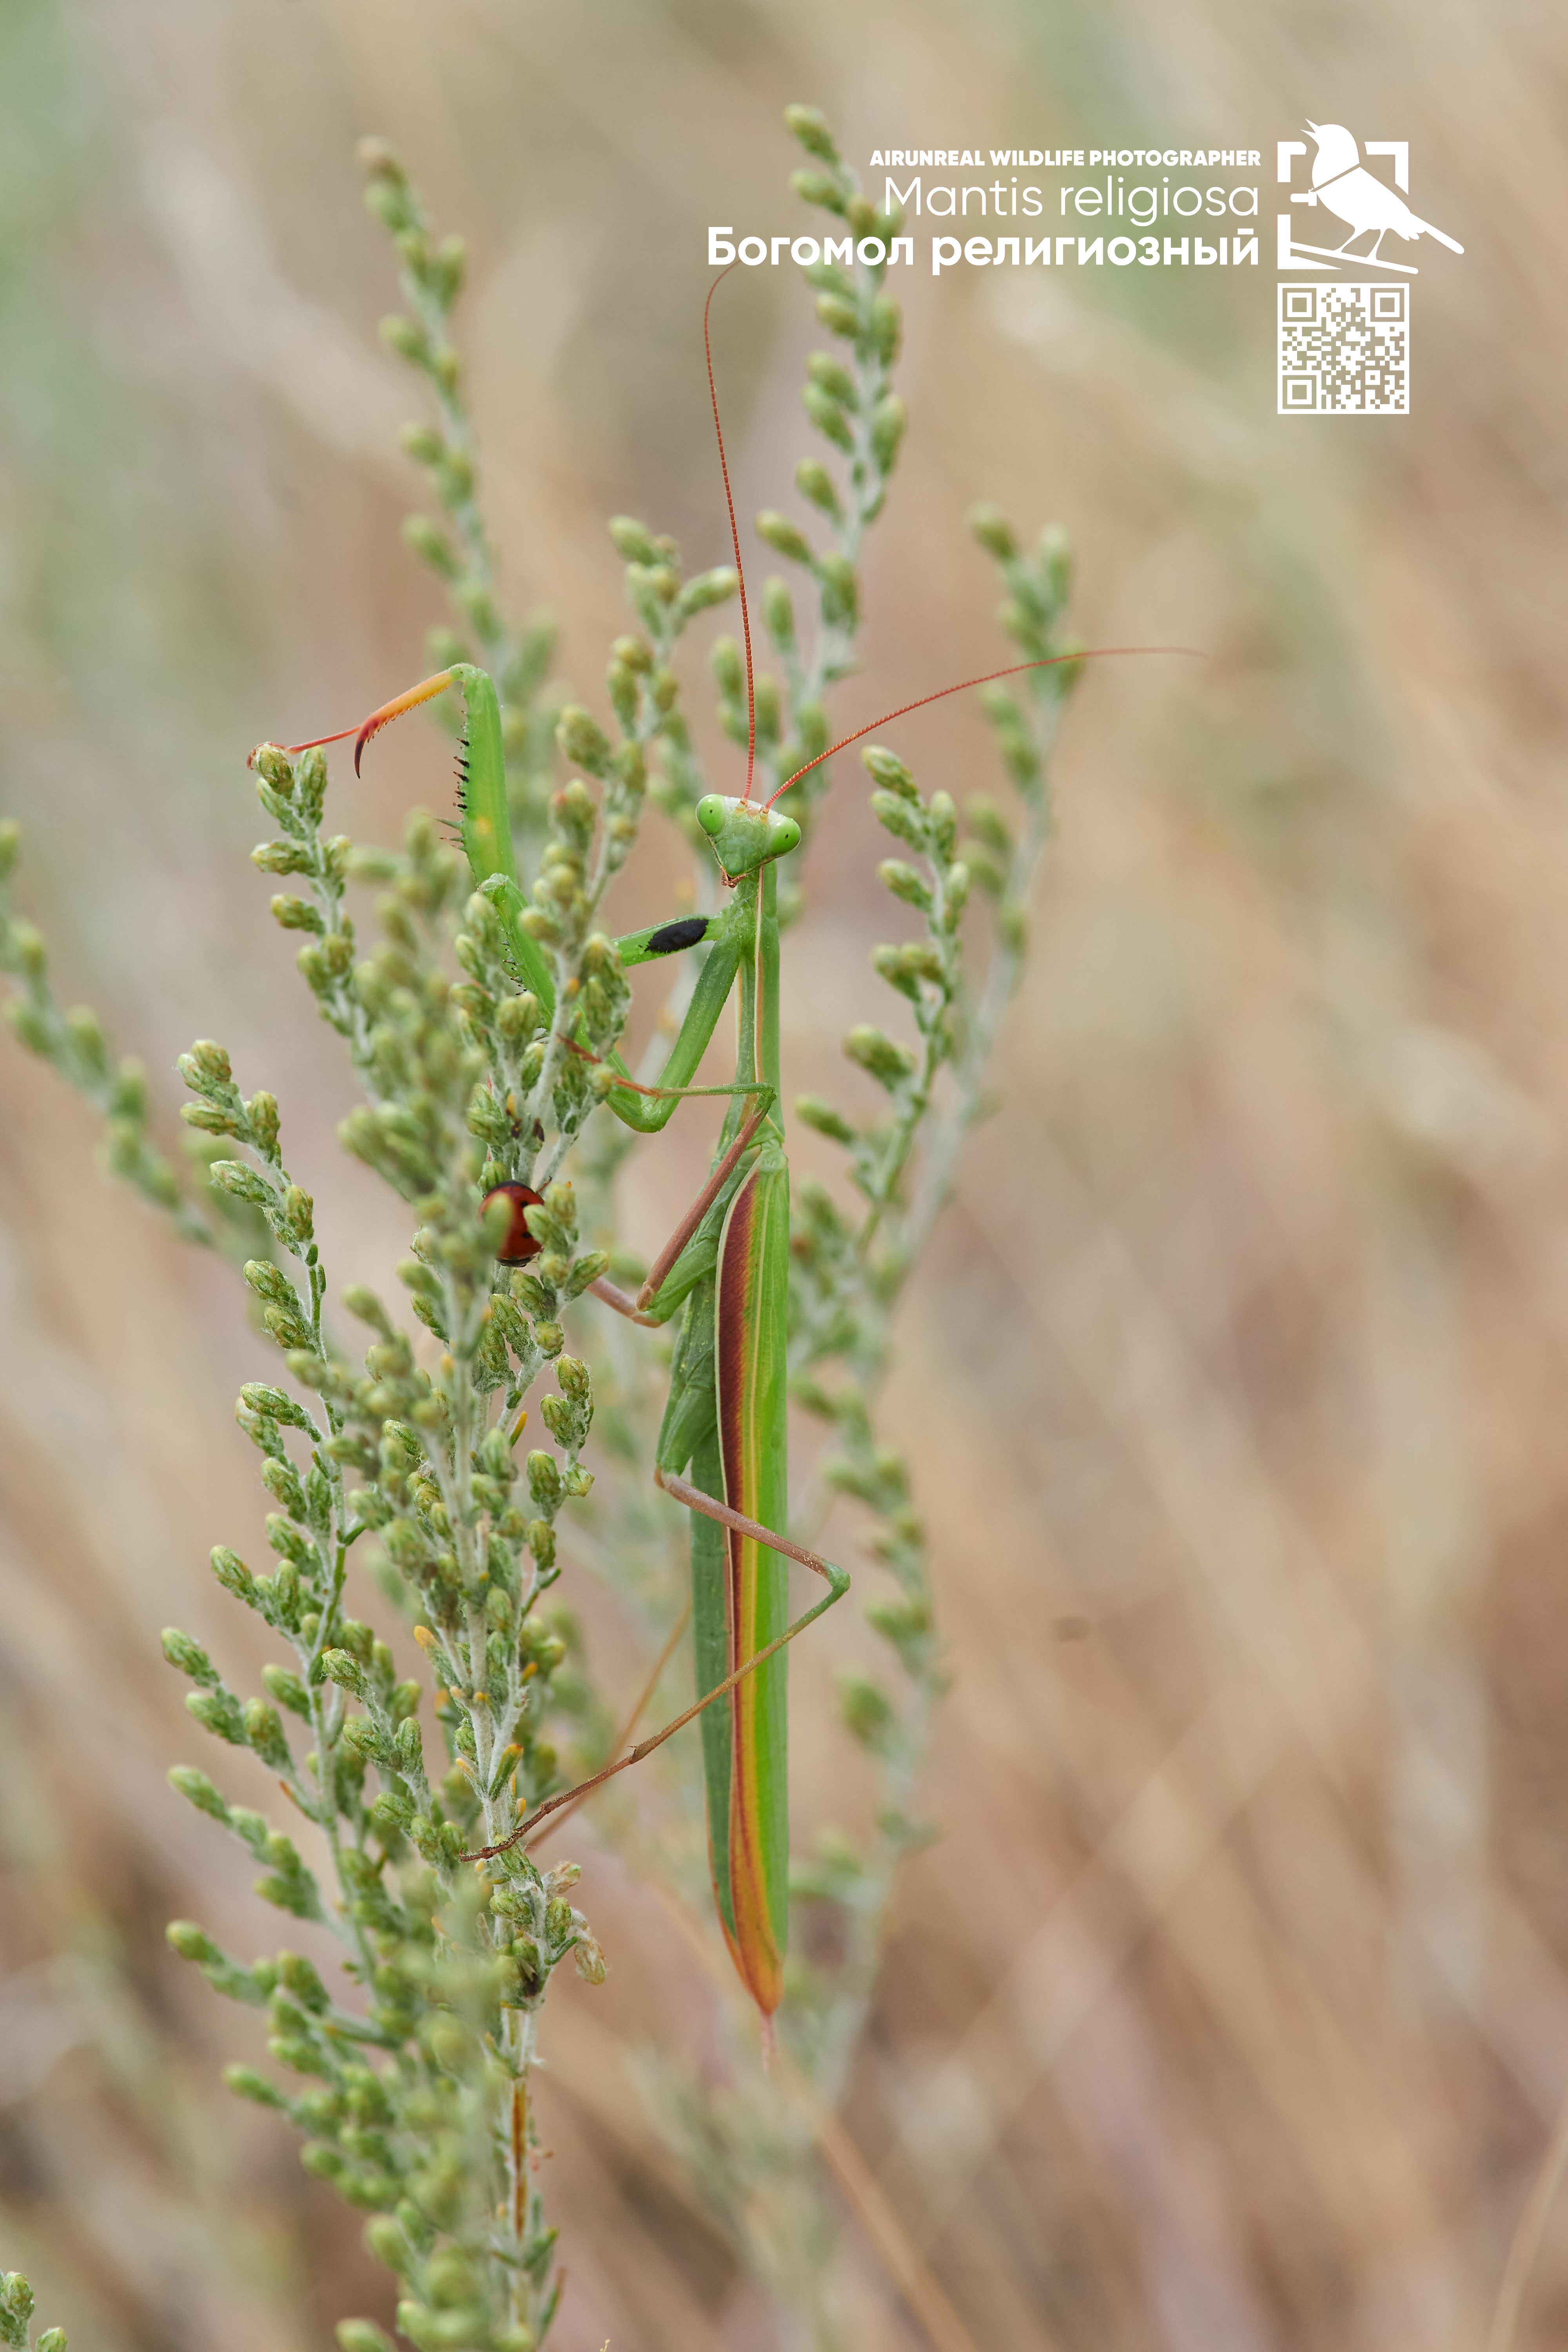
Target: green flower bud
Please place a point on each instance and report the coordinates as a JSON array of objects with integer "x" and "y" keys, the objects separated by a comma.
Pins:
[
  {"x": 298, "y": 1214},
  {"x": 782, "y": 536},
  {"x": 286, "y": 1689},
  {"x": 831, "y": 377},
  {"x": 17, "y": 2301},
  {"x": 886, "y": 322},
  {"x": 342, "y": 1668},
  {"x": 839, "y": 315},
  {"x": 32, "y": 1030},
  {"x": 423, "y": 444},
  {"x": 386, "y": 2241},
  {"x": 867, "y": 1711},
  {"x": 402, "y": 336},
  {"x": 809, "y": 125},
  {"x": 583, "y": 742},
  {"x": 778, "y": 612},
  {"x": 262, "y": 1112},
  {"x": 587, "y": 1270},
  {"x": 191, "y": 1942},
  {"x": 219, "y": 1711},
  {"x": 298, "y": 1976},
  {"x": 28, "y": 946},
  {"x": 85, "y": 1035},
  {"x": 905, "y": 818},
  {"x": 905, "y": 883},
  {"x": 905, "y": 968},
  {"x": 990, "y": 529},
  {"x": 634, "y": 542},
  {"x": 729, "y": 673},
  {"x": 269, "y": 1282},
  {"x": 813, "y": 1112},
  {"x": 272, "y": 766},
  {"x": 709, "y": 589},
  {"x": 189, "y": 1657},
  {"x": 264, "y": 1730},
  {"x": 476, "y": 602},
  {"x": 281, "y": 857},
  {"x": 358, "y": 1639},
  {"x": 431, "y": 545},
  {"x": 205, "y": 1067},
  {"x": 889, "y": 422},
  {"x": 818, "y": 188},
  {"x": 621, "y": 686},
  {"x": 814, "y": 481},
  {"x": 1053, "y": 561},
  {"x": 199, "y": 1790},
  {"x": 448, "y": 266},
  {"x": 211, "y": 1118},
  {"x": 296, "y": 914},
  {"x": 243, "y": 1183},
  {"x": 288, "y": 1327},
  {"x": 944, "y": 822},
  {"x": 233, "y": 1574},
  {"x": 888, "y": 770},
  {"x": 891, "y": 1065},
  {"x": 841, "y": 593}
]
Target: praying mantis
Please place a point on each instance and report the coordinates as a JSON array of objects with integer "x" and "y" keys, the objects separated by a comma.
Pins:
[
  {"x": 726, "y": 1270},
  {"x": 726, "y": 1413}
]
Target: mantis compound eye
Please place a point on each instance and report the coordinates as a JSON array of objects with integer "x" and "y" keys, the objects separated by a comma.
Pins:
[
  {"x": 710, "y": 812},
  {"x": 517, "y": 1244}
]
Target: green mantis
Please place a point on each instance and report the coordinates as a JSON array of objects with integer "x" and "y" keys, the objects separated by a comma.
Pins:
[
  {"x": 726, "y": 1271},
  {"x": 729, "y": 1268}
]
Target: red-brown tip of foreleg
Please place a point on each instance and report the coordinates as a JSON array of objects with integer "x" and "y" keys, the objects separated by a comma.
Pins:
[
  {"x": 422, "y": 692},
  {"x": 373, "y": 725}
]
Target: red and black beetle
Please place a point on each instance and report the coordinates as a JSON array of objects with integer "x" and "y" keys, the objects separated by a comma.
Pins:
[{"x": 517, "y": 1244}]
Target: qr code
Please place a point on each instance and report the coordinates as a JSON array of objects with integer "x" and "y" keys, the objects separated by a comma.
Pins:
[{"x": 1344, "y": 351}]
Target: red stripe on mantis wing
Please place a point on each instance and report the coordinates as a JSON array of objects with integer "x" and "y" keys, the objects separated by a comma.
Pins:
[{"x": 752, "y": 1287}]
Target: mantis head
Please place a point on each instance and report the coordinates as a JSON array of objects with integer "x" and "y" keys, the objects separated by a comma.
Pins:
[{"x": 746, "y": 837}]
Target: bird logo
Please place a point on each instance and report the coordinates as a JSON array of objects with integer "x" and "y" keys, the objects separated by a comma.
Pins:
[{"x": 1342, "y": 183}]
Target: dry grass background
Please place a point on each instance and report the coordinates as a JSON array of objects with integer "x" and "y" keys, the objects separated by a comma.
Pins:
[{"x": 1232, "y": 2010}]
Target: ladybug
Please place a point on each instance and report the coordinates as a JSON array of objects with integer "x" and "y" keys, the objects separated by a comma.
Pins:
[{"x": 518, "y": 1244}]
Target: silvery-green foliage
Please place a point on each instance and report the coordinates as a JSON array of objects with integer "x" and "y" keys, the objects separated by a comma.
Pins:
[
  {"x": 412, "y": 2079},
  {"x": 16, "y": 2315}
]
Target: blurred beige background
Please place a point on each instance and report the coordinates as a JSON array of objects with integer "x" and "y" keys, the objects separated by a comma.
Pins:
[{"x": 1232, "y": 2013}]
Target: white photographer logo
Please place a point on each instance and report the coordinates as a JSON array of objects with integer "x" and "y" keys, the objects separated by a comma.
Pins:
[{"x": 1341, "y": 185}]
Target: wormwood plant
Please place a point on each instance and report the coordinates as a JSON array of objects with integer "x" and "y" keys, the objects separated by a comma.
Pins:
[
  {"x": 409, "y": 2068},
  {"x": 17, "y": 2312}
]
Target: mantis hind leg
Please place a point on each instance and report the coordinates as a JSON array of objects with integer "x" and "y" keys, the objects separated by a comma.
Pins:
[{"x": 708, "y": 1507}]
